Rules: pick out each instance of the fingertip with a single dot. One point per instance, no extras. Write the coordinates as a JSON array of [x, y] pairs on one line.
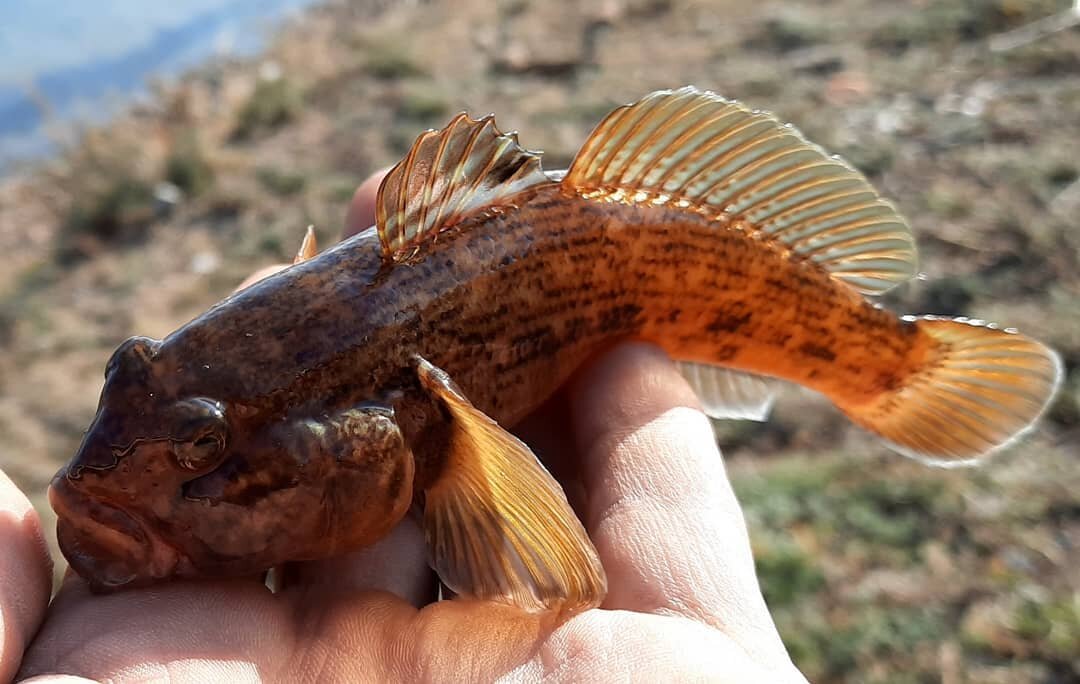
[[660, 508], [264, 272], [25, 575], [361, 212]]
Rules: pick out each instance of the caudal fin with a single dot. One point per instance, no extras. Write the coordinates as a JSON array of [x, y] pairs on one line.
[[982, 388]]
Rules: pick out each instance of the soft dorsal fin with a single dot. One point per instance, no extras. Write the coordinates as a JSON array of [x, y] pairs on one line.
[[448, 175], [698, 151]]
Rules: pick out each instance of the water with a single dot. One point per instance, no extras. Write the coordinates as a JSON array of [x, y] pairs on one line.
[[80, 61]]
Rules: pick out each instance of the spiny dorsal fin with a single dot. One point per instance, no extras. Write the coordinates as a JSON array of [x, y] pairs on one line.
[[308, 248], [698, 151], [448, 175]]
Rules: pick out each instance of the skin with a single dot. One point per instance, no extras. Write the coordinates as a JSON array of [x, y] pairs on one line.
[[635, 455]]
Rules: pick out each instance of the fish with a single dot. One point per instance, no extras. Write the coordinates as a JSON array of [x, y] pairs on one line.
[[306, 415]]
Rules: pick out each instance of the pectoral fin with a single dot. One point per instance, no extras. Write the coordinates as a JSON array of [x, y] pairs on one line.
[[498, 526]]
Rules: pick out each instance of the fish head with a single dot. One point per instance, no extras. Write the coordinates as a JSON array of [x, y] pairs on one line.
[[114, 495], [169, 482]]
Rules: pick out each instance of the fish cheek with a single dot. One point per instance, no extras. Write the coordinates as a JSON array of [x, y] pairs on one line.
[[240, 517], [302, 490], [368, 481]]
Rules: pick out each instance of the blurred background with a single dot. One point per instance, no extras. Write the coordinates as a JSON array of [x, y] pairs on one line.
[[153, 156]]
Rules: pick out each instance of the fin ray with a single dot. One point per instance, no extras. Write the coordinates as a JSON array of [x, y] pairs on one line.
[[308, 247], [447, 176], [982, 389], [728, 393], [745, 169], [498, 525]]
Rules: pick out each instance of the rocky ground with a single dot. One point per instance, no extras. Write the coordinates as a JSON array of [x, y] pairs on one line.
[[878, 569]]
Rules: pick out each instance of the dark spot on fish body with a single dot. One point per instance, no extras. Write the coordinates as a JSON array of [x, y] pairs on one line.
[[619, 319], [817, 351], [470, 338], [886, 382], [530, 337], [575, 325], [729, 322], [726, 352]]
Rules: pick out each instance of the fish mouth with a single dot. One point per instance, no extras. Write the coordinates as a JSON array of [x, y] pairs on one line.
[[104, 544]]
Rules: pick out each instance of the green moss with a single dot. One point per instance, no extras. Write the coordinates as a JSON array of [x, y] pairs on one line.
[[787, 575], [389, 61], [1053, 624], [280, 182], [834, 645], [859, 510], [118, 209], [789, 492], [785, 34], [947, 21], [272, 104], [423, 105], [187, 167], [894, 513]]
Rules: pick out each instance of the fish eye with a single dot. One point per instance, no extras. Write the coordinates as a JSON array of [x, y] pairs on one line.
[[200, 430], [199, 453]]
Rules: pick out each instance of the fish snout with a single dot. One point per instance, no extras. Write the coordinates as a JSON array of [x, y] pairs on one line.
[[105, 544]]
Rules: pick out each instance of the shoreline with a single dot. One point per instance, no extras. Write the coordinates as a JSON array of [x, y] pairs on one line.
[[42, 113]]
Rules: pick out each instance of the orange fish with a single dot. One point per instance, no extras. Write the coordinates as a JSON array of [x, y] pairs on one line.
[[302, 417]]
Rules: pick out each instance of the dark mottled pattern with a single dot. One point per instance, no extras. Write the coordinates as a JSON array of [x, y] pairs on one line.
[[509, 304]]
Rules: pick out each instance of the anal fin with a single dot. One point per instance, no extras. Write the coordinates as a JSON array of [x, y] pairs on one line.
[[727, 393], [498, 526]]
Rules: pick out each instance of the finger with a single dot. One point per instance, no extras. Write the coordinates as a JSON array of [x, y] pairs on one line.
[[396, 564], [361, 213], [660, 508], [181, 631], [25, 576], [264, 272]]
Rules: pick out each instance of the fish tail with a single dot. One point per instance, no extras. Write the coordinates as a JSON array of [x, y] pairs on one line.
[[980, 388]]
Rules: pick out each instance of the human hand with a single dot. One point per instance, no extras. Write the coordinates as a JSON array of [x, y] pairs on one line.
[[639, 463]]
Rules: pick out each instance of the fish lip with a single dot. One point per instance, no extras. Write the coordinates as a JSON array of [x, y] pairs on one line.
[[105, 544]]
